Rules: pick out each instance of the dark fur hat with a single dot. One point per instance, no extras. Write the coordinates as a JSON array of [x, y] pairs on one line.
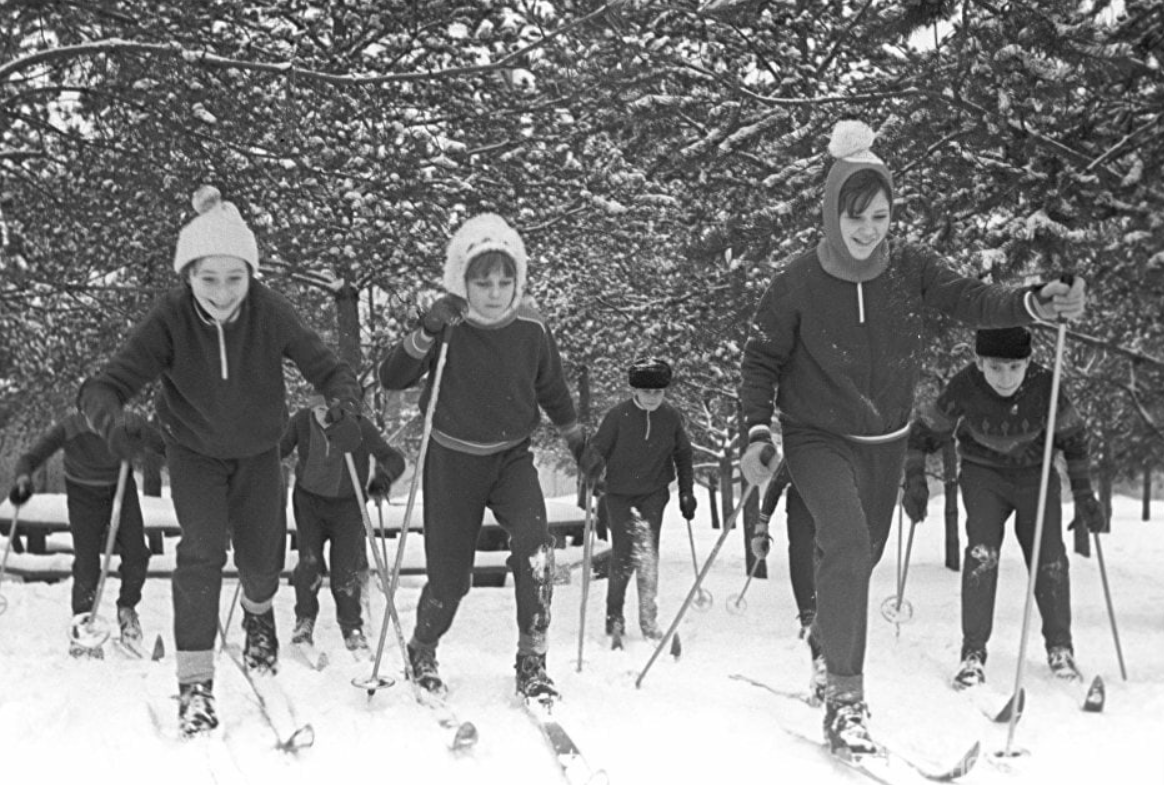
[[650, 373], [1008, 343]]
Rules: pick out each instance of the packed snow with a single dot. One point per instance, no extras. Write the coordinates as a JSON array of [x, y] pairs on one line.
[[66, 721]]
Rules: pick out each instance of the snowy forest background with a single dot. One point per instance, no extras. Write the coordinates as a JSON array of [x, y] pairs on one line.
[[660, 158]]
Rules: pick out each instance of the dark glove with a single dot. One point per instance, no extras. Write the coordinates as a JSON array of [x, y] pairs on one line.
[[761, 543], [126, 439], [600, 527], [687, 505], [21, 491], [591, 465], [916, 493], [379, 486], [1090, 513], [576, 442], [343, 426], [449, 309]]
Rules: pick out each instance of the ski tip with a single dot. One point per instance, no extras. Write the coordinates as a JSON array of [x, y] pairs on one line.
[[159, 649], [1013, 708], [465, 737], [1096, 696], [676, 647], [967, 762], [302, 738]]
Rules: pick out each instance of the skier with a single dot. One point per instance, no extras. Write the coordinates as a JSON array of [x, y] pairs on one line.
[[801, 564], [837, 338], [997, 408], [91, 472], [326, 508], [502, 364], [643, 446], [218, 341]]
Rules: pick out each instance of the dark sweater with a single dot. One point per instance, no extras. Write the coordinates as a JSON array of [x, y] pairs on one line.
[[834, 372], [1002, 433], [644, 450], [87, 457], [241, 415], [495, 379], [324, 471]]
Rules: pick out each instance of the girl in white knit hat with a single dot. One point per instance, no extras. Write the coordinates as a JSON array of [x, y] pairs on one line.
[[502, 367], [218, 341], [835, 349]]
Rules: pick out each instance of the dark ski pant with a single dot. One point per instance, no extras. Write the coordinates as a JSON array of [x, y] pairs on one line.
[[90, 511], [801, 555], [318, 520], [457, 489], [635, 523], [990, 496], [850, 489], [216, 498]]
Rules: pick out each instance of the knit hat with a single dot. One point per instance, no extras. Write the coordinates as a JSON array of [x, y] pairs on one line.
[[649, 373], [481, 233], [217, 230], [1008, 343], [850, 145]]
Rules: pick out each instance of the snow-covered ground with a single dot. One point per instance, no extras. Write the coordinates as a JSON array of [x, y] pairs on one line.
[[64, 721]]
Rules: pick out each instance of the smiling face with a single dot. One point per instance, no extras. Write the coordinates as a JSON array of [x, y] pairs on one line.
[[1003, 376], [220, 284], [648, 399], [863, 231]]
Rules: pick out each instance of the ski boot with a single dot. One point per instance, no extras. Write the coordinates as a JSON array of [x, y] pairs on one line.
[[355, 641], [196, 709], [79, 652], [533, 683], [820, 671], [1062, 662], [652, 632], [304, 631], [972, 670], [424, 669], [616, 629], [261, 652], [130, 626], [846, 731]]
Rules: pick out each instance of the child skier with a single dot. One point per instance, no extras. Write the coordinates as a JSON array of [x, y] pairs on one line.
[[91, 472], [837, 341], [643, 446], [997, 409], [326, 508], [218, 341], [801, 563], [502, 364]]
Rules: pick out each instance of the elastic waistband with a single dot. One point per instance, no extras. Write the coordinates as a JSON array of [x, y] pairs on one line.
[[884, 438]]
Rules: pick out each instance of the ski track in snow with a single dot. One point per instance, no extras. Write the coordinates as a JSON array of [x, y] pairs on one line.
[[64, 721]]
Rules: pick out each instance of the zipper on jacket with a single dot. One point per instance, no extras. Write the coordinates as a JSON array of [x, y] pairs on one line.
[[860, 303]]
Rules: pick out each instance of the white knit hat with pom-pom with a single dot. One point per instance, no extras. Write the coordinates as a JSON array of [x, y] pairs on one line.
[[853, 141], [217, 230], [481, 233]]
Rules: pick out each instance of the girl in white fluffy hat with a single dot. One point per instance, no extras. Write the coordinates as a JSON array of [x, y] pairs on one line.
[[218, 341], [836, 345], [502, 367]]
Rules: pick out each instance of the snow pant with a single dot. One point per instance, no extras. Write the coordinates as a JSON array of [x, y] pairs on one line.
[[457, 489], [801, 555], [90, 509], [850, 490], [990, 496], [245, 499], [320, 519], [635, 523]]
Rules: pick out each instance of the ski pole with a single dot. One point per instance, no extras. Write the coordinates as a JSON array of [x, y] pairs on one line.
[[1110, 610], [230, 613], [1040, 519], [703, 600], [736, 603], [375, 681], [82, 631], [587, 530], [7, 549], [727, 528], [896, 609]]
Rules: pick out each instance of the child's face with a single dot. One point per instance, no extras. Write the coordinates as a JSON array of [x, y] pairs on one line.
[[1003, 376], [320, 412], [220, 285], [862, 232], [649, 399], [491, 295]]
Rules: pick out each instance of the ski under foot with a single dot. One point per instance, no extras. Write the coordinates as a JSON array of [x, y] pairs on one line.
[[312, 657], [275, 707], [572, 764], [130, 648], [464, 733]]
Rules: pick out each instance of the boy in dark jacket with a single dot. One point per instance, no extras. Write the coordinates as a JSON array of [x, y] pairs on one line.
[[997, 410], [502, 366], [91, 473], [836, 346], [218, 342], [326, 508], [643, 446]]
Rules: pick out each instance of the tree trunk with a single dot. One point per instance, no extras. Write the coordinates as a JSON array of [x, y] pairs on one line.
[[1147, 512], [347, 322], [584, 393]]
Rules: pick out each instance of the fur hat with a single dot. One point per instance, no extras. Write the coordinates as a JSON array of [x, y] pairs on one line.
[[217, 230], [851, 145], [481, 233], [1008, 343], [649, 373]]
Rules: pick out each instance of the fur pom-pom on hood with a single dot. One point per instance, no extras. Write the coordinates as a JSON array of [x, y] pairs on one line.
[[479, 234]]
